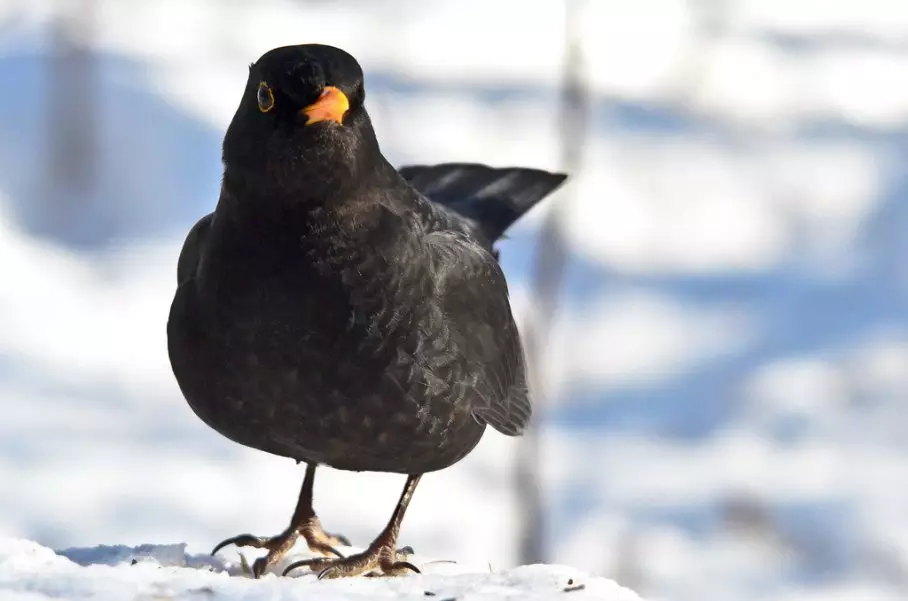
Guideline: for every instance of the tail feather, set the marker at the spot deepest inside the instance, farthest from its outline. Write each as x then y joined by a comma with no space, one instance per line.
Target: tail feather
493,198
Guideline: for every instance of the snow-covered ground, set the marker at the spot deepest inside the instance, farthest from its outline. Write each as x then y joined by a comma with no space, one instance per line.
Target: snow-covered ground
729,370
30,572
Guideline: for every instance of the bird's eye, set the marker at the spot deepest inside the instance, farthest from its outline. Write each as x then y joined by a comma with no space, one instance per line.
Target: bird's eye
265,97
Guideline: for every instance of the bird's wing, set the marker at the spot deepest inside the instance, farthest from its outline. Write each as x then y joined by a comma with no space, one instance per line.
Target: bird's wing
188,263
473,294
490,198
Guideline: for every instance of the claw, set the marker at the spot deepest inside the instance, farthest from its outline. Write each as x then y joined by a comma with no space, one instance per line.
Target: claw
242,540
315,561
259,566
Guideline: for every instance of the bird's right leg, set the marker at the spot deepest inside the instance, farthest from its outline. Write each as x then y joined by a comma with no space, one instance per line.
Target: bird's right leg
304,523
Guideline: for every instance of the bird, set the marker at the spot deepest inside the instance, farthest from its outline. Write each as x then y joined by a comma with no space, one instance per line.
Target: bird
338,311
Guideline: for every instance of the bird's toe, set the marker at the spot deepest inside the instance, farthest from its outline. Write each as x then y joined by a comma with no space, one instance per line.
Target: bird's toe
242,540
277,546
374,561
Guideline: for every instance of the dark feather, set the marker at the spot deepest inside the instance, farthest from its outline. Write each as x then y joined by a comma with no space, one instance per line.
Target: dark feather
492,198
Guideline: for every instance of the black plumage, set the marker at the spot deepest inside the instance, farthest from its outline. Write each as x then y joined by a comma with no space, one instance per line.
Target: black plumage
337,311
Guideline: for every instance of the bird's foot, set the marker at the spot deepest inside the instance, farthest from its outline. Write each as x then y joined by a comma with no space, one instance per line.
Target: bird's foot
278,546
380,559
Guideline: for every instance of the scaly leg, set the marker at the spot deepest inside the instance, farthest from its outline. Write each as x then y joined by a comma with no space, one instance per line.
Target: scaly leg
303,523
380,555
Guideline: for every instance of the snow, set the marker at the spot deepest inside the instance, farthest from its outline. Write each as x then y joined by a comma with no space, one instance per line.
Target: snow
31,572
729,367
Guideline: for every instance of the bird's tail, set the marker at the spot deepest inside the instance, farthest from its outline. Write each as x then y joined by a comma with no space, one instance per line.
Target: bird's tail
493,198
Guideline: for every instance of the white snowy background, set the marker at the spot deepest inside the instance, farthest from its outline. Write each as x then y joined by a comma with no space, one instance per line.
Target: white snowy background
728,411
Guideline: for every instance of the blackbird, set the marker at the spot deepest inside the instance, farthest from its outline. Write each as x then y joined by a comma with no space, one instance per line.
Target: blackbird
339,312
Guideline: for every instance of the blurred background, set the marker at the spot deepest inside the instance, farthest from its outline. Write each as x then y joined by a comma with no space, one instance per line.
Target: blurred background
716,305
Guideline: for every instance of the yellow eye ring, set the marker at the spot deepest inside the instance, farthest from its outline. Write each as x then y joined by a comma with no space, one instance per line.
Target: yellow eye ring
265,97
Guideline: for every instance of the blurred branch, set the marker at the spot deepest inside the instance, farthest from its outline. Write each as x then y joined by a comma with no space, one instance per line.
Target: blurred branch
551,262
71,117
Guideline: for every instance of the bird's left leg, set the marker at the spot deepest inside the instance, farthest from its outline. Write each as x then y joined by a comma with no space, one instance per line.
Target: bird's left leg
380,556
304,523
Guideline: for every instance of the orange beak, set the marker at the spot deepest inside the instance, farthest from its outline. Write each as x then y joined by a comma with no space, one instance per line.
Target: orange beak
332,105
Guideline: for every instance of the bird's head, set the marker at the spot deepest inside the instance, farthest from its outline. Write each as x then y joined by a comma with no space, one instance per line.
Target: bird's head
301,128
